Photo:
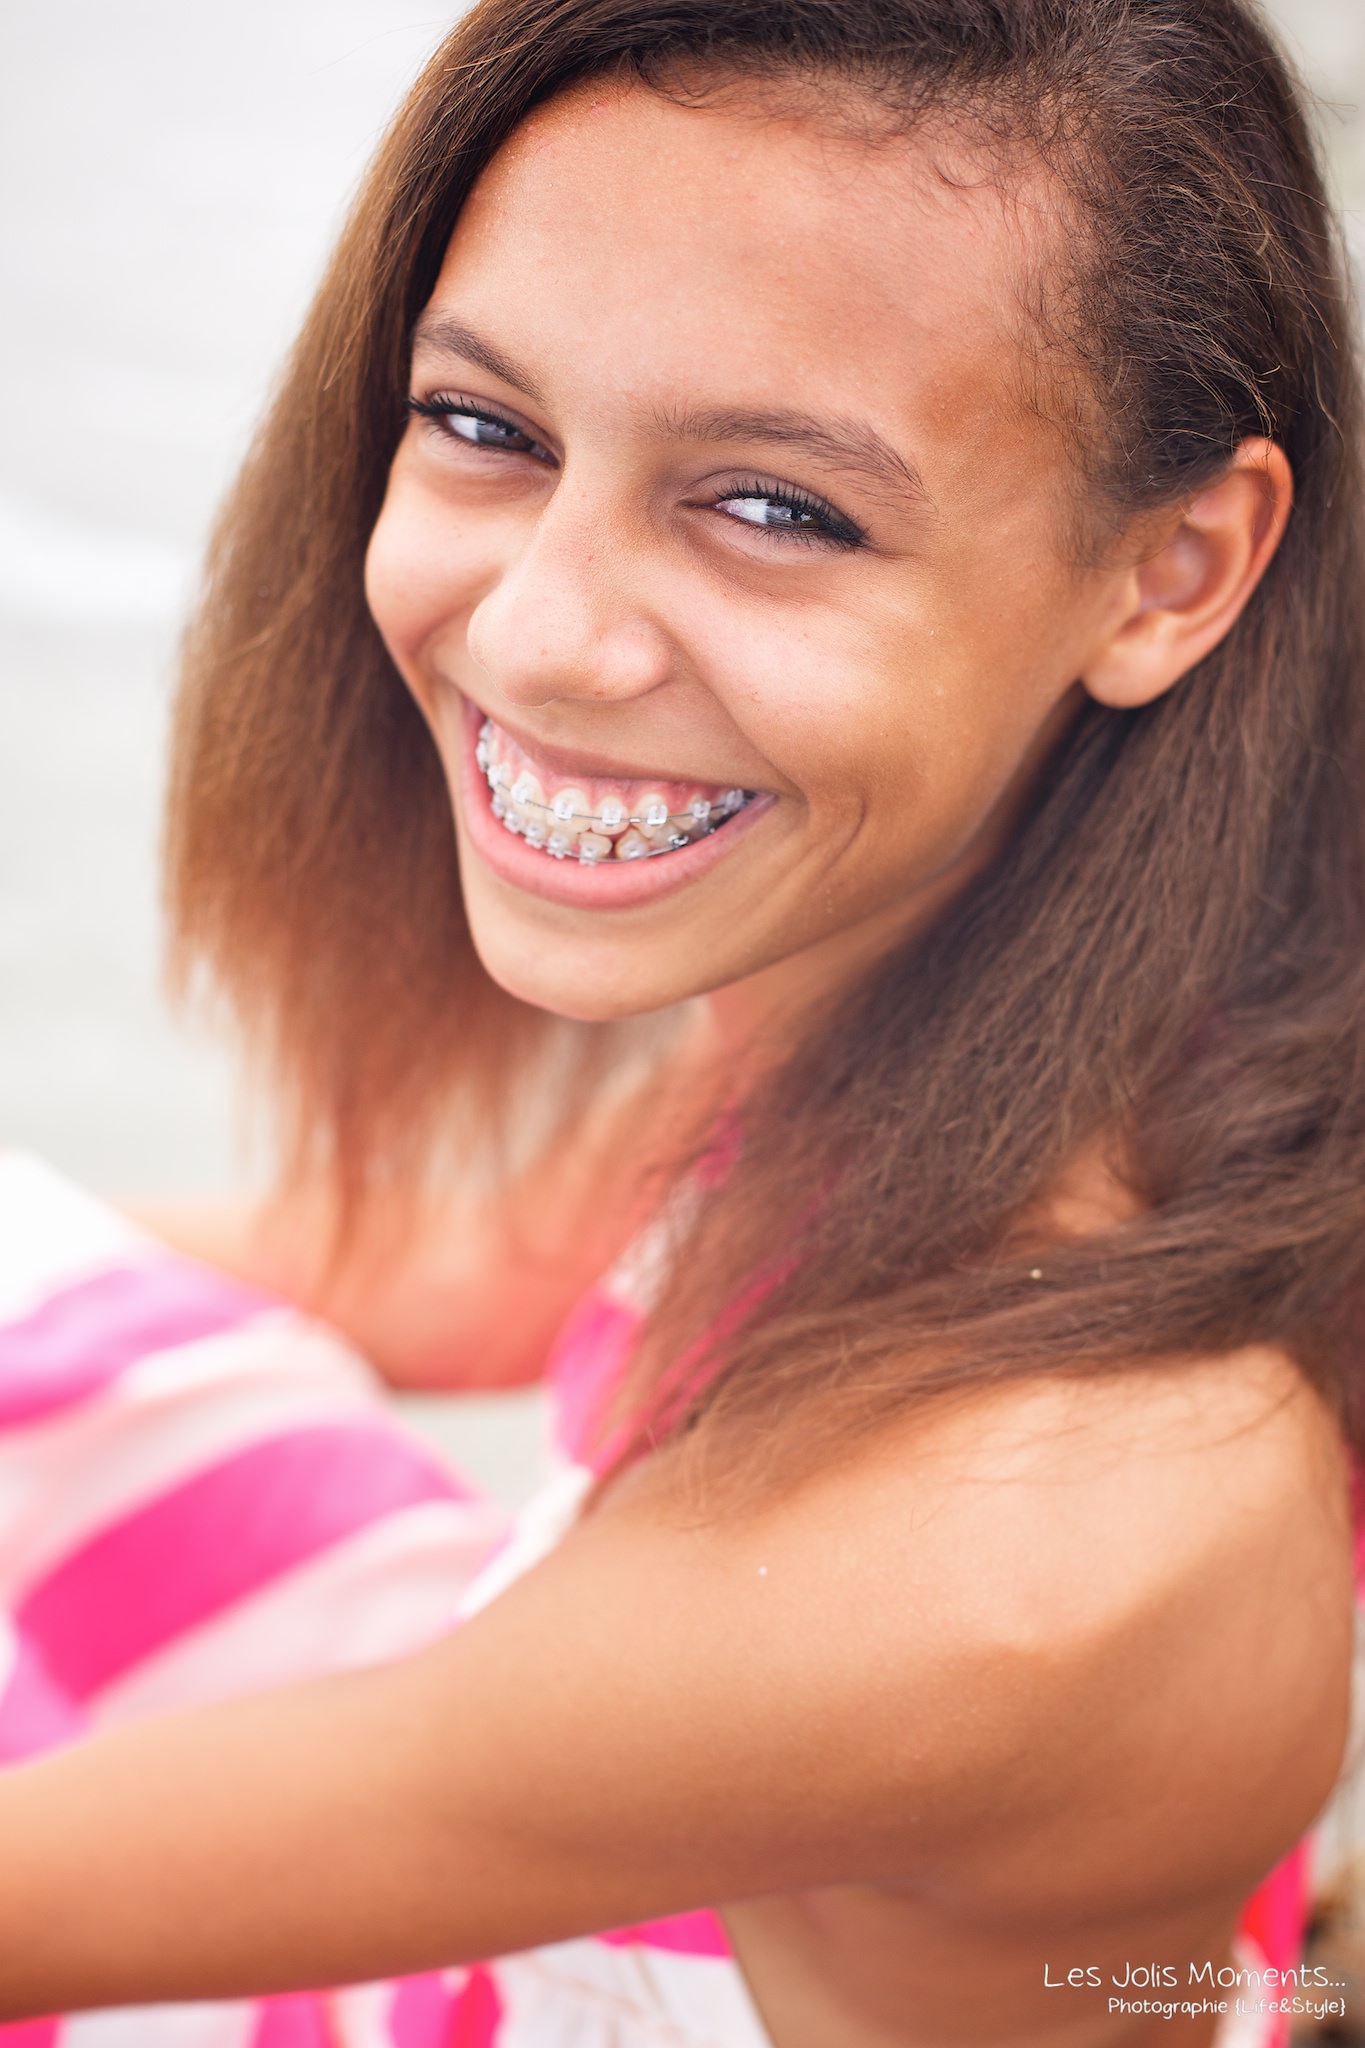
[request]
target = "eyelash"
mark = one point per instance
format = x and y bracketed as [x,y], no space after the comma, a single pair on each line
[439,409]
[837,530]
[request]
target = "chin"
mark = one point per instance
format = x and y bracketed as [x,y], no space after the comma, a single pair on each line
[582,988]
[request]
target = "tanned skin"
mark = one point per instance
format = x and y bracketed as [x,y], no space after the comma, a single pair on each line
[1043,1679]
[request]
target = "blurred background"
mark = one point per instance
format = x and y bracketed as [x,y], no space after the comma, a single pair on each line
[171,175]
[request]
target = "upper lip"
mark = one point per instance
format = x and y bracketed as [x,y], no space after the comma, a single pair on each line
[572,761]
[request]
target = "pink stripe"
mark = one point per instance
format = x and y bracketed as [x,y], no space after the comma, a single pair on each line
[585,1365]
[221,1535]
[30,2034]
[294,2022]
[681,1934]
[35,1714]
[477,2013]
[420,2014]
[1276,1914]
[82,1338]
[1276,1919]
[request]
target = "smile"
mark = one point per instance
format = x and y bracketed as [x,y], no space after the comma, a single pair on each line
[592,819]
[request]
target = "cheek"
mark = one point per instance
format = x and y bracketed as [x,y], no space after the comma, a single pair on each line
[424,573]
[900,725]
[806,689]
[865,712]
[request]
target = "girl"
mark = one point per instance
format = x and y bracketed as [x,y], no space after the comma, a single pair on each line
[854,507]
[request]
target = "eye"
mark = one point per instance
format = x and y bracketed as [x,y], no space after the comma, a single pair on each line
[784,511]
[478,426]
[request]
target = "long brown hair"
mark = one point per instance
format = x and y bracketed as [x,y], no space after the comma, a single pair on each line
[1170,956]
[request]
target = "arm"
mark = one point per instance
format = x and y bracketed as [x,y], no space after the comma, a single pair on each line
[830,1690]
[451,1293]
[464,1288]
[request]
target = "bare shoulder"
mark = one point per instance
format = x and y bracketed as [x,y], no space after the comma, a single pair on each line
[1136,1580]
[1076,1647]
[1093,1500]
[1157,1568]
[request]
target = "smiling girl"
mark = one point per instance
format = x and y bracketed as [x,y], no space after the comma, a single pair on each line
[854,508]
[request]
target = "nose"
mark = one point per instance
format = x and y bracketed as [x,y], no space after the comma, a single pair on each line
[566,617]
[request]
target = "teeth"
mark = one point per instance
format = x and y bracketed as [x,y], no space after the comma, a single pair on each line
[569,803]
[526,803]
[565,824]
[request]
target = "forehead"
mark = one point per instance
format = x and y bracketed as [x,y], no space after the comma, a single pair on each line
[729,251]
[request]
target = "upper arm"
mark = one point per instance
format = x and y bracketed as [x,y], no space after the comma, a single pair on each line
[1082,1645]
[461,1288]
[951,1654]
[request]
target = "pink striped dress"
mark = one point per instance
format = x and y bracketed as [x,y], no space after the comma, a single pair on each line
[203,1492]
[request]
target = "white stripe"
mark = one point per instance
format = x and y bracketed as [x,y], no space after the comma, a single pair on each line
[539,1527]
[227,2025]
[278,1336]
[706,1994]
[53,1234]
[175,1414]
[589,1994]
[358,2016]
[378,1594]
[9,1652]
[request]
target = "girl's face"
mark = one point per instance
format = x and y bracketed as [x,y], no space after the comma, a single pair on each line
[724,552]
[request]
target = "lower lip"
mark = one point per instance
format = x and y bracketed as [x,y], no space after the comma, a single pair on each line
[596,885]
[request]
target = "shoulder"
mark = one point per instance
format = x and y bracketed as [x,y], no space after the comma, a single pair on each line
[1081,1644]
[1137,1579]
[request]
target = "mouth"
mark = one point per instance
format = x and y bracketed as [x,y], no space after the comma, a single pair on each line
[597,820]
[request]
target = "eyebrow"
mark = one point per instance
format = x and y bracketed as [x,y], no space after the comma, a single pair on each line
[452,338]
[847,444]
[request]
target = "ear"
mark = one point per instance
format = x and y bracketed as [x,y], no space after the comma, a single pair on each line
[1173,607]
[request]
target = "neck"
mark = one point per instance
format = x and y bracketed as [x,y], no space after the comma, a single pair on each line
[759,1020]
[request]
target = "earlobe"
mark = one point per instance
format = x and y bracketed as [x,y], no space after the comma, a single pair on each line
[1174,605]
